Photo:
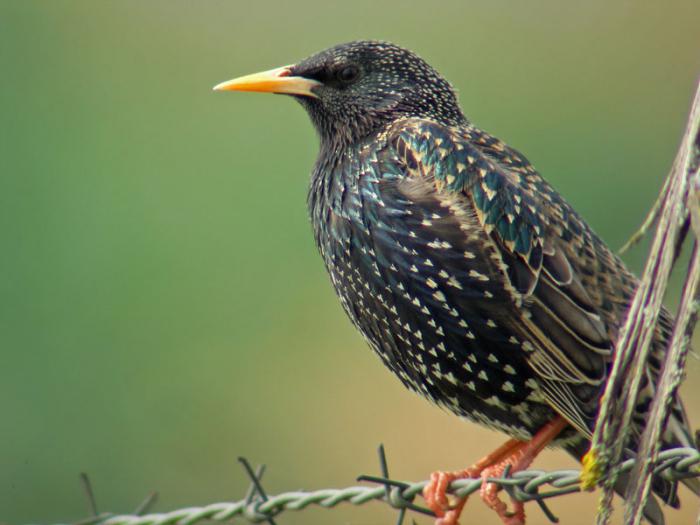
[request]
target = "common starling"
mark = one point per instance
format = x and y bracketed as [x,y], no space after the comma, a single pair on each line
[474,281]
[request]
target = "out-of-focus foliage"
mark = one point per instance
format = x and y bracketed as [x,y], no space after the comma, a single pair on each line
[162,307]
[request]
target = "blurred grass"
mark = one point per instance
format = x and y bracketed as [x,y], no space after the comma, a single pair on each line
[164,309]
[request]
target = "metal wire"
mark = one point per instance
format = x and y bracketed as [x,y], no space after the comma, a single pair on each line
[258,507]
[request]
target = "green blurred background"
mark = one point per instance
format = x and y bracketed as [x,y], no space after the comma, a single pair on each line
[163,306]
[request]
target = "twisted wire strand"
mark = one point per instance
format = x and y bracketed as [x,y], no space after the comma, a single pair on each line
[674,464]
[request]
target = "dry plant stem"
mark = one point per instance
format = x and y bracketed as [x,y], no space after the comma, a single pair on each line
[674,363]
[648,221]
[634,339]
[638,490]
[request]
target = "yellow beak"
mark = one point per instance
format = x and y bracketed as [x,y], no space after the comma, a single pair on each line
[273,81]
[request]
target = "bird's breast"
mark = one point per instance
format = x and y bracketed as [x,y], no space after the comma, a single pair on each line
[421,281]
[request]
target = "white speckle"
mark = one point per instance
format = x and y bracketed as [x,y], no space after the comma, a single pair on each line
[508,387]
[428,262]
[454,283]
[439,296]
[471,386]
[527,346]
[467,366]
[494,401]
[493,358]
[483,375]
[414,269]
[429,281]
[490,323]
[469,255]
[451,378]
[509,370]
[477,275]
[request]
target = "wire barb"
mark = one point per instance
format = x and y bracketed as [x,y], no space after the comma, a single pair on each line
[256,486]
[89,493]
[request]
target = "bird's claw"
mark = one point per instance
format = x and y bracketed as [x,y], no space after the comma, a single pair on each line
[489,495]
[447,508]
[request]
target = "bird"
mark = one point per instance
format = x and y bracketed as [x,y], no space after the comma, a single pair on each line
[467,273]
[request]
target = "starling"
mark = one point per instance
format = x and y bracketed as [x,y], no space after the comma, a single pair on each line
[474,281]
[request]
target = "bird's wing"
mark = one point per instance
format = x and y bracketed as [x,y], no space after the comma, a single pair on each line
[545,253]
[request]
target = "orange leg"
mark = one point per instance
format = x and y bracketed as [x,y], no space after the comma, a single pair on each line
[518,454]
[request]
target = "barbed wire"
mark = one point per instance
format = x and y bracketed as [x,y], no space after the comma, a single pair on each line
[258,507]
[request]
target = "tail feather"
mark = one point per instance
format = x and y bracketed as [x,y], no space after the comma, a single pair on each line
[652,510]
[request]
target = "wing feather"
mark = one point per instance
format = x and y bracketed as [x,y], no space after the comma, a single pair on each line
[567,342]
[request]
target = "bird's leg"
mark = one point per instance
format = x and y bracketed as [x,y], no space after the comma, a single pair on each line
[520,458]
[518,454]
[435,492]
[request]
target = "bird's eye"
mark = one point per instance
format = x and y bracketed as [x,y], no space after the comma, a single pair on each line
[348,74]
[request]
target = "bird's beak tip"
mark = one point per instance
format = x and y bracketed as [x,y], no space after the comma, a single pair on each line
[278,80]
[221,86]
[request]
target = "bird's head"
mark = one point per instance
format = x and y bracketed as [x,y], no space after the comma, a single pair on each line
[352,90]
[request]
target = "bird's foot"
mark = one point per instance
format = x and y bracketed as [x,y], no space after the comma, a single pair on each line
[435,492]
[514,454]
[489,495]
[447,508]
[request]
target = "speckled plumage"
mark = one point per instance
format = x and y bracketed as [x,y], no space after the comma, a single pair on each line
[474,281]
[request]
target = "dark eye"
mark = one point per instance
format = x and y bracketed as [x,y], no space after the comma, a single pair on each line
[348,74]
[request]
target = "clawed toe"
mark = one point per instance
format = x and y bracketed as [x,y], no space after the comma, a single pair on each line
[489,495]
[438,500]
